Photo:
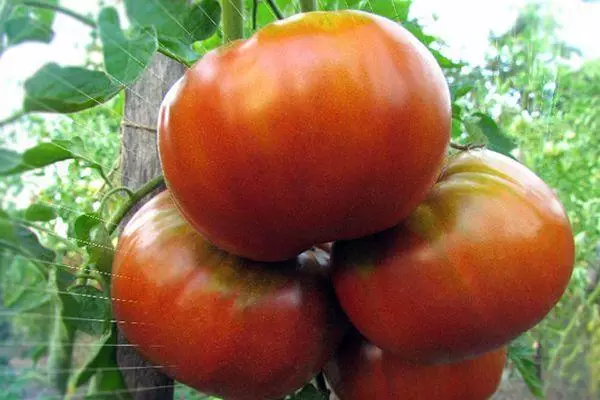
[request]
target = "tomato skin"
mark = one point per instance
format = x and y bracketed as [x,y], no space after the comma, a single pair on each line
[226,326]
[483,259]
[361,371]
[309,131]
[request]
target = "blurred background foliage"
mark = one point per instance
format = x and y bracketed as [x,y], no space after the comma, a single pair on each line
[531,93]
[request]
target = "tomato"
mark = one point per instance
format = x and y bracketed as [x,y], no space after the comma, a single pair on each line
[223,325]
[320,127]
[361,371]
[484,258]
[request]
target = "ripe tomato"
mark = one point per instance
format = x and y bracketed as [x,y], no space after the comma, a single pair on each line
[320,127]
[483,259]
[360,371]
[225,326]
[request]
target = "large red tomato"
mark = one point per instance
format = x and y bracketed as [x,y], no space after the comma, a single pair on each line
[323,126]
[484,258]
[226,326]
[362,371]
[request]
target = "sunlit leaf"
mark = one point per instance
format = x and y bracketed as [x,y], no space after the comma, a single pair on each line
[125,56]
[57,89]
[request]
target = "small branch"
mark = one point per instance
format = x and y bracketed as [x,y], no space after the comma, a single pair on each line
[135,198]
[254,13]
[139,126]
[163,50]
[275,9]
[233,20]
[466,147]
[110,193]
[13,118]
[63,10]
[308,5]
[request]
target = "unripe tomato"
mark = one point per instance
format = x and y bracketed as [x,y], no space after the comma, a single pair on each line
[362,371]
[320,127]
[484,258]
[225,326]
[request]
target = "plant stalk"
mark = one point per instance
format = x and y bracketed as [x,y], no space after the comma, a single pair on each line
[134,199]
[63,10]
[233,20]
[308,5]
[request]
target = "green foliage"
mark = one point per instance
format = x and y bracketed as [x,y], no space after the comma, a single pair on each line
[40,212]
[67,89]
[177,23]
[125,57]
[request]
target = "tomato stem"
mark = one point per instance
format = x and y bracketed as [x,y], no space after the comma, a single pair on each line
[275,9]
[42,4]
[233,20]
[308,5]
[138,195]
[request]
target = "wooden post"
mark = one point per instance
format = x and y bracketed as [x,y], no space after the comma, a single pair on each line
[140,163]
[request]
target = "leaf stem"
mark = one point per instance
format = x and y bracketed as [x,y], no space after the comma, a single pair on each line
[110,193]
[275,9]
[233,20]
[308,5]
[135,198]
[63,10]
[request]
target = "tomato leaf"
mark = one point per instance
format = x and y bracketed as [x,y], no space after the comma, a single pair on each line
[101,249]
[497,141]
[8,160]
[125,57]
[460,91]
[23,287]
[21,240]
[60,350]
[41,155]
[67,89]
[25,29]
[178,24]
[82,228]
[103,364]
[92,307]
[522,357]
[308,392]
[40,212]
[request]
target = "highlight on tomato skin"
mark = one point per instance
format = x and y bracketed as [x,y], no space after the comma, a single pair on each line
[484,258]
[268,150]
[226,326]
[361,371]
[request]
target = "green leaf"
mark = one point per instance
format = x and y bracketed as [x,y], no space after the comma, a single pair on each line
[8,160]
[104,350]
[40,212]
[25,29]
[92,305]
[460,91]
[177,23]
[21,240]
[82,228]
[497,141]
[23,287]
[456,128]
[522,357]
[396,10]
[67,89]
[42,155]
[101,249]
[60,350]
[444,61]
[125,57]
[102,365]
[308,392]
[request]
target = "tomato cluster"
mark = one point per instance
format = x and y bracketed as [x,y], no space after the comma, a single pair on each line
[333,127]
